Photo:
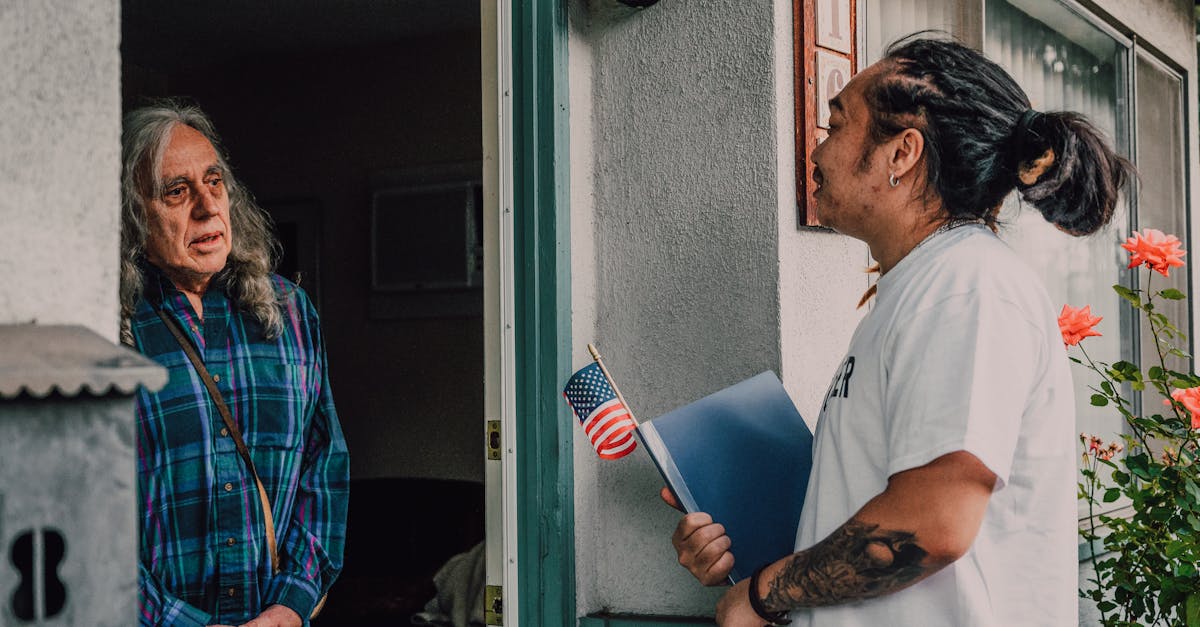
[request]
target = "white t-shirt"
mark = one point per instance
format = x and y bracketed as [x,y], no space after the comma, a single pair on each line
[961,352]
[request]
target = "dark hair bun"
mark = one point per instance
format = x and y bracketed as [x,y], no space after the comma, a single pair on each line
[982,140]
[1066,169]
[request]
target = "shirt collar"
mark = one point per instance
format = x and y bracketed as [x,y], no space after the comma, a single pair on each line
[160,291]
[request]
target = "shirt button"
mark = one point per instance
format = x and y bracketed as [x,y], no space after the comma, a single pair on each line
[194,329]
[232,592]
[224,431]
[229,542]
[216,378]
[229,487]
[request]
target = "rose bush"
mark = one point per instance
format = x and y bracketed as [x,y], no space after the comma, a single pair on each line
[1146,556]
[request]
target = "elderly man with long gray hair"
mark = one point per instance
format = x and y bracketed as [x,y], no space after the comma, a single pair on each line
[243,471]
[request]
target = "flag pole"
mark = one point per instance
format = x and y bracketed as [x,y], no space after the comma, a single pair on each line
[600,361]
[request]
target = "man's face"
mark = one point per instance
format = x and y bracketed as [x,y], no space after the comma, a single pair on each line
[846,186]
[189,236]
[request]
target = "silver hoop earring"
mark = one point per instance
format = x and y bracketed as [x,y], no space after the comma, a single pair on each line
[893,180]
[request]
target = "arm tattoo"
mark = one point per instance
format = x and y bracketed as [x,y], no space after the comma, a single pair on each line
[857,561]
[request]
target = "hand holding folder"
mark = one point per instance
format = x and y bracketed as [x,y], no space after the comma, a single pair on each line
[741,455]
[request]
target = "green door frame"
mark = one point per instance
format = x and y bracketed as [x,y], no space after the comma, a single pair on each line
[542,303]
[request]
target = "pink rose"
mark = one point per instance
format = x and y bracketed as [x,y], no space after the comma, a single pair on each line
[1076,324]
[1155,249]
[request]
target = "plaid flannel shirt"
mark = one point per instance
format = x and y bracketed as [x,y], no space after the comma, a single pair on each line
[204,556]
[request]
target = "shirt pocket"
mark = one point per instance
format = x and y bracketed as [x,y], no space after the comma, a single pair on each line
[279,406]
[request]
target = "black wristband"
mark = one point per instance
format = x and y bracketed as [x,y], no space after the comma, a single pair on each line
[772,618]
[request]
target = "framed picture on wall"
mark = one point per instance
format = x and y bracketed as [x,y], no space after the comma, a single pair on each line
[297,225]
[427,237]
[426,242]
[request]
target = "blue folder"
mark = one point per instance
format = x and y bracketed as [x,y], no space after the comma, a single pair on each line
[743,455]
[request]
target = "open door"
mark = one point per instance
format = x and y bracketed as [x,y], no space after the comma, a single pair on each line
[500,516]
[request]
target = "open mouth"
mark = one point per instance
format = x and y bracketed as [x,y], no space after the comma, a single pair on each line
[207,239]
[818,178]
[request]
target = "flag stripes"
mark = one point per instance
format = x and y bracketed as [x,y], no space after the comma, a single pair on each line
[606,421]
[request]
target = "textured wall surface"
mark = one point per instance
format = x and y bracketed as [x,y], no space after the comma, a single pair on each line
[689,269]
[85,491]
[680,196]
[59,162]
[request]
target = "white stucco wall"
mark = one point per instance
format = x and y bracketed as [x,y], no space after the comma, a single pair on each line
[688,269]
[59,162]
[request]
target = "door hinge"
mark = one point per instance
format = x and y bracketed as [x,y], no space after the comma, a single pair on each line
[493,439]
[493,605]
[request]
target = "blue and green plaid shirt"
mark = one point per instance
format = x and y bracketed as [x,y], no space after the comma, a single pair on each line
[204,555]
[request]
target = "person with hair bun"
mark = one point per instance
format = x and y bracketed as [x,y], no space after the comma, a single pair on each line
[943,483]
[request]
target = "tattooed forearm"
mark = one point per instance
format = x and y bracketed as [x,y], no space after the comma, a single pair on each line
[858,561]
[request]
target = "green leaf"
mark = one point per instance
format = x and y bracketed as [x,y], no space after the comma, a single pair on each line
[1175,549]
[1193,490]
[1111,495]
[1106,386]
[1099,400]
[1137,464]
[1125,367]
[1192,610]
[1172,294]
[1129,295]
[1155,372]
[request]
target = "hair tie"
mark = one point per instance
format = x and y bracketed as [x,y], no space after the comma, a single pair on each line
[1023,138]
[1025,123]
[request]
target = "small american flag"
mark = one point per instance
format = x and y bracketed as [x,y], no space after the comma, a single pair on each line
[605,419]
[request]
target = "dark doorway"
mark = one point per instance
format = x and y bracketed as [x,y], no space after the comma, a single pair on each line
[326,107]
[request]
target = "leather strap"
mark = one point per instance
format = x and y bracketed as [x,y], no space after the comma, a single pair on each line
[227,416]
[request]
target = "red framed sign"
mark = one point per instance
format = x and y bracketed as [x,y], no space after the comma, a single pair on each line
[826,56]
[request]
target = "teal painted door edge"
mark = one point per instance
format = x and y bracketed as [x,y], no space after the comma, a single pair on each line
[643,621]
[541,232]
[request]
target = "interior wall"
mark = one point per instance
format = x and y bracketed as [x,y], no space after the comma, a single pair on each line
[317,126]
[60,129]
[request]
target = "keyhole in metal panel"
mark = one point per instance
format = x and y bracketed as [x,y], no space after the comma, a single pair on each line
[36,554]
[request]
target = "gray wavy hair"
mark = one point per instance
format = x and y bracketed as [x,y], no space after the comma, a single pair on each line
[247,272]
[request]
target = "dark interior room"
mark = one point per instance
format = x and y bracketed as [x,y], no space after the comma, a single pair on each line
[357,126]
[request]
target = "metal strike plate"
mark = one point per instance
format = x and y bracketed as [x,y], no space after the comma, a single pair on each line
[493,605]
[493,439]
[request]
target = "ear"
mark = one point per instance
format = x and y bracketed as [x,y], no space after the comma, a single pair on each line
[905,151]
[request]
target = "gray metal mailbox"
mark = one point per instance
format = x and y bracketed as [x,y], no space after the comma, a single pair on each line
[68,487]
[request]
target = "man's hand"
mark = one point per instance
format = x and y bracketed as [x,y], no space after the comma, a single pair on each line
[669,498]
[703,548]
[276,616]
[733,610]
